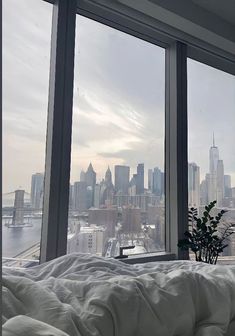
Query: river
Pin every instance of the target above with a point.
(16, 240)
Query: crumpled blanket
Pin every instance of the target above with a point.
(84, 295)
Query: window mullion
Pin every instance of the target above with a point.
(59, 128)
(176, 147)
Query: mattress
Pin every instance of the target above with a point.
(85, 295)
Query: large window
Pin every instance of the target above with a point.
(117, 159)
(26, 54)
(123, 98)
(211, 116)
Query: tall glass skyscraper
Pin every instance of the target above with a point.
(140, 179)
(212, 178)
(122, 178)
(214, 157)
(193, 185)
(37, 184)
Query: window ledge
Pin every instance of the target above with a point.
(149, 257)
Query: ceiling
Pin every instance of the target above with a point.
(225, 9)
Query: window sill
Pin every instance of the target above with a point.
(149, 257)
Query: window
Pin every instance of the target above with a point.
(128, 185)
(26, 54)
(211, 120)
(117, 160)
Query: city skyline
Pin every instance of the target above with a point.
(111, 96)
(193, 168)
(132, 171)
(117, 210)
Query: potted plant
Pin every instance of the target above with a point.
(207, 236)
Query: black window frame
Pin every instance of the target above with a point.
(57, 169)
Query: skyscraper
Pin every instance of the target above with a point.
(90, 176)
(203, 193)
(193, 185)
(37, 184)
(220, 183)
(140, 179)
(122, 177)
(212, 176)
(107, 189)
(157, 181)
(80, 195)
(82, 176)
(90, 197)
(214, 157)
(71, 197)
(211, 187)
(132, 190)
(150, 179)
(97, 196)
(108, 177)
(90, 179)
(227, 186)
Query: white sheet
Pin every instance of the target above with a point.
(89, 296)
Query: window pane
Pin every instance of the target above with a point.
(211, 115)
(26, 54)
(117, 167)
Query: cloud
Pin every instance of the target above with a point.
(119, 92)
(211, 108)
(26, 55)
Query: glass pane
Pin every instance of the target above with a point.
(26, 54)
(117, 168)
(211, 117)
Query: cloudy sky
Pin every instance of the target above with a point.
(118, 115)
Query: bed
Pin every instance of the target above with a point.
(84, 295)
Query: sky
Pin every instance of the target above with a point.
(118, 108)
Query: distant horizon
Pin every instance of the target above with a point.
(132, 171)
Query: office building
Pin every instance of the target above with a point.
(140, 179)
(87, 240)
(156, 219)
(82, 176)
(36, 195)
(104, 217)
(90, 176)
(131, 219)
(227, 186)
(193, 185)
(212, 176)
(132, 190)
(97, 196)
(150, 179)
(213, 158)
(157, 182)
(90, 179)
(220, 183)
(107, 189)
(122, 178)
(203, 193)
(71, 197)
(80, 196)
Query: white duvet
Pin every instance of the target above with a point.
(85, 295)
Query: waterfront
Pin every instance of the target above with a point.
(17, 240)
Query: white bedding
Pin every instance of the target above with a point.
(85, 295)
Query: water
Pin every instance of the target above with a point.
(16, 240)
